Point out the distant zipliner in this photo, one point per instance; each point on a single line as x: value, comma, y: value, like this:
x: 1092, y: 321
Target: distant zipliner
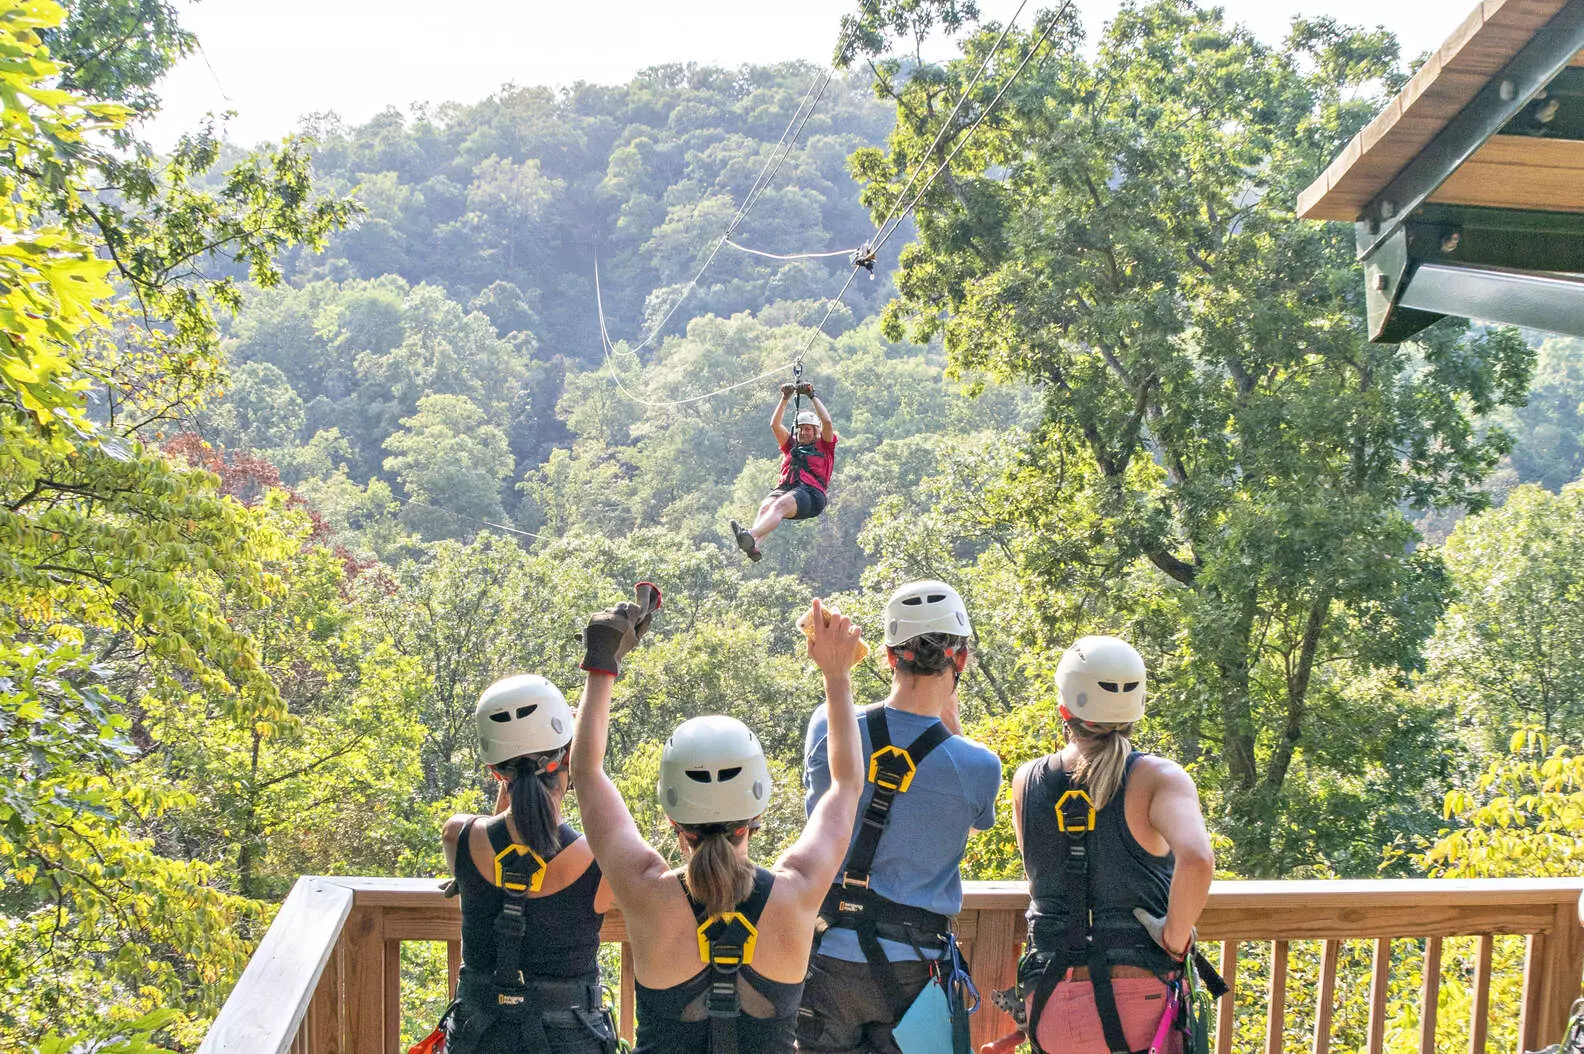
x: 807, y: 459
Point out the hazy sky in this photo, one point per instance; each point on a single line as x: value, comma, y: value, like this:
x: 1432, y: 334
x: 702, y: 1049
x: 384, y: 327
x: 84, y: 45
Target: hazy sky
x: 274, y: 60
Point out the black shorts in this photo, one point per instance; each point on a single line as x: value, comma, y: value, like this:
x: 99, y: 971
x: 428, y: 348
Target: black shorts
x: 845, y: 1010
x: 810, y: 500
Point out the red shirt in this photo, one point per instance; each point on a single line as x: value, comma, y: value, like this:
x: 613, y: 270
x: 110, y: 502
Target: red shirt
x: 816, y: 469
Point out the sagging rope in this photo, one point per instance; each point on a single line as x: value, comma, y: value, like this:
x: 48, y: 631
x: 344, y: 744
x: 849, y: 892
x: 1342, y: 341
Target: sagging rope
x: 778, y: 156
x: 864, y: 257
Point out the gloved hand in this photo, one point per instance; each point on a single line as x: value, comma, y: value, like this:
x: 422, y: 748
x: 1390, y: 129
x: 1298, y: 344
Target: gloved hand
x: 788, y: 389
x: 615, y: 631
x: 1157, y: 931
x: 806, y: 389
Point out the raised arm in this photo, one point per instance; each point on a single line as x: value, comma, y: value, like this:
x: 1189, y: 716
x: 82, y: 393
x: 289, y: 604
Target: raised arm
x: 627, y: 860
x: 827, y: 426
x: 776, y: 427
x: 812, y: 861
x: 1174, y: 812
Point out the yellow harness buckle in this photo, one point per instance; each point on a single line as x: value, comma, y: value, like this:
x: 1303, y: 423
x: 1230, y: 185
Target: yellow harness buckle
x: 534, y: 884
x: 1062, y: 822
x: 890, y: 750
x: 727, y: 919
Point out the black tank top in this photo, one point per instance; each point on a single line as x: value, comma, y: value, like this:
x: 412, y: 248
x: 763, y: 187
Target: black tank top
x: 1123, y: 875
x: 562, y: 940
x: 674, y: 1020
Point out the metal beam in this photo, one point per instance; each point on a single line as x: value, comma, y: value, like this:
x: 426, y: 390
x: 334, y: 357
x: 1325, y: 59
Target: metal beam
x: 1503, y: 98
x: 1538, y: 301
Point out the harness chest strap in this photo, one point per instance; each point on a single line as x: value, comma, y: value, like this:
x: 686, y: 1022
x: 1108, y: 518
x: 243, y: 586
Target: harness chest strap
x: 1076, y: 818
x: 519, y: 871
x: 851, y: 903
x: 726, y: 944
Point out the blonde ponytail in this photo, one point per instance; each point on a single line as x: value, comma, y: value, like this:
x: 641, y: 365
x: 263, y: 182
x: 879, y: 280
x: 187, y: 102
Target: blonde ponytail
x: 1102, y: 759
x: 718, y: 876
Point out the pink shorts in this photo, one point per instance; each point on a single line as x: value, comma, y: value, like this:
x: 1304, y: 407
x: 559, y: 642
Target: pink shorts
x: 1071, y: 1024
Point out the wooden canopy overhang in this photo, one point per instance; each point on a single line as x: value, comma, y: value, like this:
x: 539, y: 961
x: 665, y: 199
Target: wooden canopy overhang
x: 1467, y: 190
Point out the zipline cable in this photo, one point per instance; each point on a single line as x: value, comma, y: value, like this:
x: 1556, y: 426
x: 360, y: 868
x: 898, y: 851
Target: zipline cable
x: 947, y: 124
x: 610, y: 362
x: 884, y: 235
x: 772, y: 166
x: 864, y: 256
x: 460, y: 516
x: 988, y: 110
x: 902, y: 194
x: 792, y: 256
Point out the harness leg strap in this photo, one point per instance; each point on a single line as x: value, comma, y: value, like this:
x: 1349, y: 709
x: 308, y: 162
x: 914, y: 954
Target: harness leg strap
x: 1105, y: 1003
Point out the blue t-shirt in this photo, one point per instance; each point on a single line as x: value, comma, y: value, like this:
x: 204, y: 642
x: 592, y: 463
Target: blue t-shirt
x: 919, y: 859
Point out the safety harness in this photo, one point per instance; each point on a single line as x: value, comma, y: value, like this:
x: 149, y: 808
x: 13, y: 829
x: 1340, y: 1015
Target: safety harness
x: 1076, y: 818
x: 726, y: 944
x: 851, y: 904
x: 520, y: 871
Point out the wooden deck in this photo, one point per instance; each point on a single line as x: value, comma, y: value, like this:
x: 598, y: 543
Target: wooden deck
x: 326, y: 979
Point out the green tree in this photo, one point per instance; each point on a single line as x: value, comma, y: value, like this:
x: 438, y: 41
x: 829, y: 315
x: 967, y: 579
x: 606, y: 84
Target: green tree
x: 448, y: 457
x: 1548, y: 429
x: 260, y: 410
x: 121, y: 567
x: 1510, y: 651
x: 1121, y: 236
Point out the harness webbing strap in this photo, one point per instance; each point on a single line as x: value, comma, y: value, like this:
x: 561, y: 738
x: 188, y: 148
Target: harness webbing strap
x: 1075, y: 816
x: 851, y: 904
x: 891, y: 771
x: 726, y: 944
x: 518, y: 873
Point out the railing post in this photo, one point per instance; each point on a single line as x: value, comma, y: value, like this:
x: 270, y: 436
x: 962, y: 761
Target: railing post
x: 365, y: 982
x: 326, y: 1017
x: 992, y: 962
x: 1553, y: 968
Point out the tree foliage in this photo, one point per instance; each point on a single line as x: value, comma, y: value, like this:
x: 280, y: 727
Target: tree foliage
x: 1122, y: 237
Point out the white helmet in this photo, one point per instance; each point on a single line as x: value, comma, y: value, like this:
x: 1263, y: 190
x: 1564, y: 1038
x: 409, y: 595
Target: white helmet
x: 924, y: 607
x: 523, y: 714
x: 807, y: 417
x: 1101, y: 679
x: 713, y: 770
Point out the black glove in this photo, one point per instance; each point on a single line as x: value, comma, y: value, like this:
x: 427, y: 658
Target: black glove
x: 616, y: 631
x: 806, y: 389
x: 787, y: 390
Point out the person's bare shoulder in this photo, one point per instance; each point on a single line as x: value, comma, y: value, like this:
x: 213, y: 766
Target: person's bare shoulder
x: 454, y: 826
x: 1161, y: 772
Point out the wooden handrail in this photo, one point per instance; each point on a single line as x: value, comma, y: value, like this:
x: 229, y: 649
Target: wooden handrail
x: 327, y: 976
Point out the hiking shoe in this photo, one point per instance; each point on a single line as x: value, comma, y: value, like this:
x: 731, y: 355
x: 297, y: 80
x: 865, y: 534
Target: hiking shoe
x: 745, y: 541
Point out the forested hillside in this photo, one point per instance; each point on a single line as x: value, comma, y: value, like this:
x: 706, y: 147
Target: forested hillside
x: 304, y: 446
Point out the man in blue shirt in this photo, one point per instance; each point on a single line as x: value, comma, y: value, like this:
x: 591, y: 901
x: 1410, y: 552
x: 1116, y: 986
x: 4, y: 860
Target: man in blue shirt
x: 886, y: 914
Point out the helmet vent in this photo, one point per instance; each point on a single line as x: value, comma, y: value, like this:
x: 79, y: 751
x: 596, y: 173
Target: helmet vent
x: 936, y: 598
x: 725, y: 774
x: 699, y: 775
x: 913, y: 602
x: 524, y: 711
x: 1110, y: 686
x: 1130, y: 686
x: 501, y: 716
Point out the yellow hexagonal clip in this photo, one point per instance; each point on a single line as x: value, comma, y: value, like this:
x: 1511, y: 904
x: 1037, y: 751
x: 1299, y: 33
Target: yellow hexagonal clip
x: 534, y: 884
x: 1061, y: 817
x: 726, y: 919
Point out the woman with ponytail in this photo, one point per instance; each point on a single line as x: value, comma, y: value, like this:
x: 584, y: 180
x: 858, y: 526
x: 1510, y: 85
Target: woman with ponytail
x: 1119, y: 867
x: 533, y: 897
x: 721, y: 945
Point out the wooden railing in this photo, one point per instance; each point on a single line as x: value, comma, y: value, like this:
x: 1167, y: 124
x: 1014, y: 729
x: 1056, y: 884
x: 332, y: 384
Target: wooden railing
x: 327, y: 977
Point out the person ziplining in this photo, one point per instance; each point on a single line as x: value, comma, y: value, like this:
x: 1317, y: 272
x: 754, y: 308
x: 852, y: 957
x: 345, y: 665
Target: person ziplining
x: 807, y: 459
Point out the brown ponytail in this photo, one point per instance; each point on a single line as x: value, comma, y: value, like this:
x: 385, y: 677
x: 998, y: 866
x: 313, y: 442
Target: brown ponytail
x: 533, y: 812
x: 1102, y: 758
x: 718, y: 876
